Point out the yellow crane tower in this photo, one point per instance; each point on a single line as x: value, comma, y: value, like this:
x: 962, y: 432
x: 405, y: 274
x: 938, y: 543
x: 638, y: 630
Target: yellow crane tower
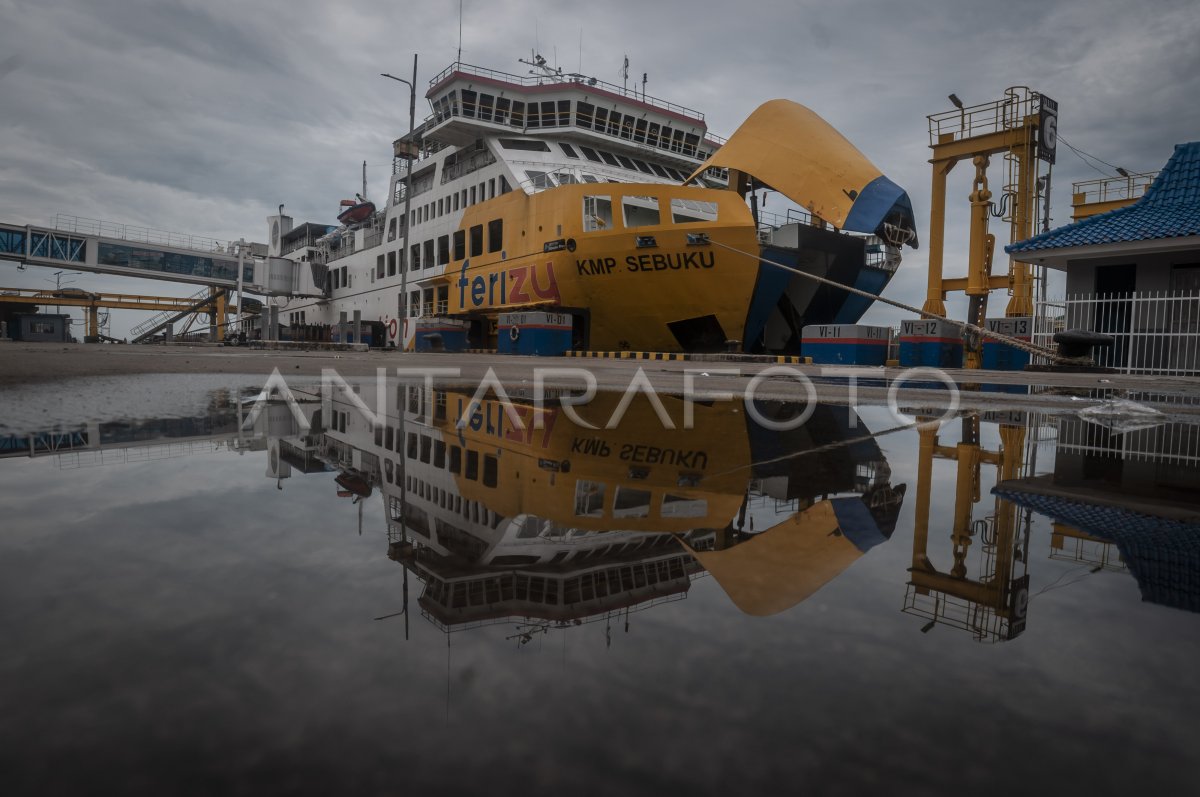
x: 1022, y: 127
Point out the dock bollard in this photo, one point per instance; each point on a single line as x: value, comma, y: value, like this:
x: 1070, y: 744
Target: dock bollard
x: 1075, y: 347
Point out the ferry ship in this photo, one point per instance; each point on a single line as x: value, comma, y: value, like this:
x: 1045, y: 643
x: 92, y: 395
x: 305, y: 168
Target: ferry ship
x: 604, y: 207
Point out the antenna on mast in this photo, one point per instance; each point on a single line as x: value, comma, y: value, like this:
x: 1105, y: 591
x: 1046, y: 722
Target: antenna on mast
x: 625, y: 75
x: 459, y: 58
x: 540, y: 67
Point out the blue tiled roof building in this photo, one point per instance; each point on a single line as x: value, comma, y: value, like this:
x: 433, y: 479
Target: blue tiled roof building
x: 1170, y: 208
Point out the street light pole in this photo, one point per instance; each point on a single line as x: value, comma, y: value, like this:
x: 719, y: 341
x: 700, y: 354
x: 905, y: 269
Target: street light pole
x: 58, y: 275
x: 240, y: 287
x: 405, y: 259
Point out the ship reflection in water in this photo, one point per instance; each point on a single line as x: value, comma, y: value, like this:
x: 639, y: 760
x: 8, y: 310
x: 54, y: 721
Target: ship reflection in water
x: 563, y: 525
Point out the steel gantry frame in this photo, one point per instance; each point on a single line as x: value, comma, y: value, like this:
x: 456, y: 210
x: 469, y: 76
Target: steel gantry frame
x: 1008, y: 126
x: 215, y: 303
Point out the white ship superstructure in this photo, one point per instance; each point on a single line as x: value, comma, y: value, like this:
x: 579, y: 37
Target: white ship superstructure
x: 490, y: 133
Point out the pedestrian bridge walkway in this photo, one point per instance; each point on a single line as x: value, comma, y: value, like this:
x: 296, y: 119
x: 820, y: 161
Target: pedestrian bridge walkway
x: 106, y: 248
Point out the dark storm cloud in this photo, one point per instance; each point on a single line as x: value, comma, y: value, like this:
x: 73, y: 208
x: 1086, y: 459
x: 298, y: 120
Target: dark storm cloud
x: 203, y: 117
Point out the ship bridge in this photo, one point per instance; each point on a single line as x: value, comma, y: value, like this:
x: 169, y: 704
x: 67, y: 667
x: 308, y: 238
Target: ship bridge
x: 105, y: 248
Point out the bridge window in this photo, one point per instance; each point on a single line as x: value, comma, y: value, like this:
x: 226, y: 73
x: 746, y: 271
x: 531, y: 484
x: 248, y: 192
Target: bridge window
x: 597, y: 213
x: 485, y: 107
x: 660, y: 171
x: 642, y: 166
x: 589, y: 498
x: 640, y: 211
x: 504, y: 186
x: 495, y: 235
x: 501, y: 110
x: 609, y: 158
x: 469, y: 102
x: 518, y: 114
x: 584, y: 112
x: 590, y: 154
x: 626, y: 162
x: 524, y: 145
x: 568, y: 150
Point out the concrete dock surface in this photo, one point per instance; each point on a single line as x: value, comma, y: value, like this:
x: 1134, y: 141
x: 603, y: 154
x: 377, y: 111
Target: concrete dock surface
x: 26, y: 363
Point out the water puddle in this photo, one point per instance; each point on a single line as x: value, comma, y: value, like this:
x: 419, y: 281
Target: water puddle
x: 201, y: 587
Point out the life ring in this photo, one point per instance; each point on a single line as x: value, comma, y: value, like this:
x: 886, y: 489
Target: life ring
x: 393, y: 327
x: 514, y: 332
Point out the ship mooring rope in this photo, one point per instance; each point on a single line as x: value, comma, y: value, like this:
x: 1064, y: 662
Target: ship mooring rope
x: 1016, y: 343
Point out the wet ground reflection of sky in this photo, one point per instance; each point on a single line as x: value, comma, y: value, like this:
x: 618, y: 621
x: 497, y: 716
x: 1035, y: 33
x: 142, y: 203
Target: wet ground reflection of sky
x: 183, y: 626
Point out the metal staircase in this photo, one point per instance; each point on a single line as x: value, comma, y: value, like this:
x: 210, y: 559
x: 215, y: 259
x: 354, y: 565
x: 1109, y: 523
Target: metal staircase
x: 155, y: 323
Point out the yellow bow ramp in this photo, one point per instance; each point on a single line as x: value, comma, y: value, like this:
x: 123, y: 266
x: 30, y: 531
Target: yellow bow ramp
x: 793, y: 150
x: 784, y: 565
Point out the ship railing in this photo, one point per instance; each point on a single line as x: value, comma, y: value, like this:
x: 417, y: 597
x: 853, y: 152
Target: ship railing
x: 473, y: 162
x: 576, y: 173
x: 1110, y: 189
x: 299, y: 243
x: 1018, y: 104
x: 566, y: 79
x: 768, y: 221
x: 146, y: 235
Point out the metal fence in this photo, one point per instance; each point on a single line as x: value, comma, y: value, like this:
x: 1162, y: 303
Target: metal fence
x: 1153, y: 332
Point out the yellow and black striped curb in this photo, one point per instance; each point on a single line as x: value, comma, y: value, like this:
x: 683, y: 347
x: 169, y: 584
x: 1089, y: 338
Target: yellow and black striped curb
x: 785, y: 359
x: 667, y: 356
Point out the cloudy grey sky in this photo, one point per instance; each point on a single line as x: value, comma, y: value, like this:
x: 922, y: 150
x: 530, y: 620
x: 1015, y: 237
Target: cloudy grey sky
x: 202, y: 117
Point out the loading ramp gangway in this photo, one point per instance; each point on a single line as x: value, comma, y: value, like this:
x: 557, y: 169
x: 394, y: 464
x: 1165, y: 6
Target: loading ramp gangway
x: 107, y: 248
